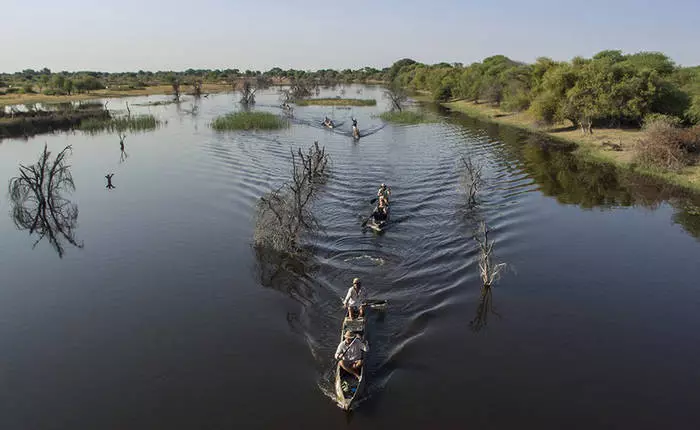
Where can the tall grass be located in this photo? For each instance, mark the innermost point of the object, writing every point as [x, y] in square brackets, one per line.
[132, 123]
[407, 117]
[248, 121]
[336, 102]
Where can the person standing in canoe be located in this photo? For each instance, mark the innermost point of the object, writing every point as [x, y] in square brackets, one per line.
[355, 130]
[385, 192]
[349, 353]
[354, 299]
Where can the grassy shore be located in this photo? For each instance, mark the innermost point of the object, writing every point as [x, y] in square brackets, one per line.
[12, 99]
[248, 121]
[336, 102]
[595, 147]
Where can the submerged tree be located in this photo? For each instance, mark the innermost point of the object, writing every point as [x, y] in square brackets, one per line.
[472, 179]
[397, 96]
[284, 213]
[247, 89]
[197, 88]
[175, 83]
[38, 204]
[490, 271]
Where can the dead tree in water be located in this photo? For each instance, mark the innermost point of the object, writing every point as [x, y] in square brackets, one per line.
[472, 179]
[490, 272]
[197, 88]
[123, 155]
[247, 88]
[175, 83]
[397, 96]
[284, 213]
[38, 204]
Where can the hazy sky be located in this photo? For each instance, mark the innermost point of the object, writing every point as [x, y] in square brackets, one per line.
[128, 35]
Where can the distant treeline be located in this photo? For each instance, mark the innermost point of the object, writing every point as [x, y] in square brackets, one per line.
[65, 83]
[610, 89]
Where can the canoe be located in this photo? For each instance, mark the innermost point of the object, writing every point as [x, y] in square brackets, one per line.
[347, 386]
[381, 225]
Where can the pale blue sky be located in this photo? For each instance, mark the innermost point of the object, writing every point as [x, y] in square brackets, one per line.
[129, 35]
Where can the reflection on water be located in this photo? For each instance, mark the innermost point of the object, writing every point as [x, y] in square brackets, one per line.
[483, 310]
[573, 180]
[38, 204]
[284, 272]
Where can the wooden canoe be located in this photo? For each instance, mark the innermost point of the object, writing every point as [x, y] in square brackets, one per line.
[347, 386]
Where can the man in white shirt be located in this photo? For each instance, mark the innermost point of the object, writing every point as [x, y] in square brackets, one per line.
[354, 299]
[349, 353]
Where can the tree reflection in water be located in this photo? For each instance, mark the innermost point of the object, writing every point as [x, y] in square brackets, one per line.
[483, 310]
[38, 204]
[285, 272]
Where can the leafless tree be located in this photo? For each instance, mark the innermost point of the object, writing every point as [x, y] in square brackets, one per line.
[176, 89]
[473, 180]
[197, 88]
[490, 271]
[38, 204]
[284, 213]
[247, 89]
[124, 155]
[397, 96]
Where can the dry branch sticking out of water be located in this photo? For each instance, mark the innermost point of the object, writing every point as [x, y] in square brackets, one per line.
[283, 214]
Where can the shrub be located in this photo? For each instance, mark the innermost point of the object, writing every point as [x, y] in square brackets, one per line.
[248, 121]
[667, 146]
[652, 118]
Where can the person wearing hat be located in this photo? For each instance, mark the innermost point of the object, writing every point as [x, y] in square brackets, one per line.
[349, 353]
[385, 192]
[354, 299]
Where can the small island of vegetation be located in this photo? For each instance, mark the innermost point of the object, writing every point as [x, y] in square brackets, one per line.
[336, 102]
[249, 120]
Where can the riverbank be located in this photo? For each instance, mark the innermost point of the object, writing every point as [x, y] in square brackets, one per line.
[14, 99]
[614, 146]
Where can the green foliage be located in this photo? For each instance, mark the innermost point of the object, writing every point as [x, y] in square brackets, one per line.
[610, 89]
[244, 120]
[407, 117]
[653, 118]
[336, 102]
[130, 123]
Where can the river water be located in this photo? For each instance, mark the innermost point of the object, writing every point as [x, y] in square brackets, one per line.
[165, 316]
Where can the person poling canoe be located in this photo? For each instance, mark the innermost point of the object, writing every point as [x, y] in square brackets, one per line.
[384, 191]
[349, 353]
[355, 130]
[354, 299]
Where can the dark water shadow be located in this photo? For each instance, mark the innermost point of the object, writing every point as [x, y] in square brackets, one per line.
[39, 205]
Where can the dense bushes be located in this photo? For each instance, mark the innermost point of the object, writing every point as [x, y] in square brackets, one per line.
[610, 89]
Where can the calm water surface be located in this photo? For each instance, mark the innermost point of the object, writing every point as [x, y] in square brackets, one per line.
[167, 317]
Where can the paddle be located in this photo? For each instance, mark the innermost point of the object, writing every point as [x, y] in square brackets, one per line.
[376, 304]
[373, 200]
[346, 350]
